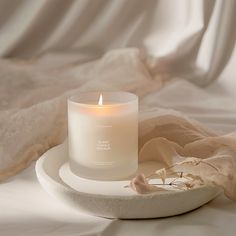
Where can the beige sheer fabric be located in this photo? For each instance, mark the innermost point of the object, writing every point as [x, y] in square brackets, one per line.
[192, 39]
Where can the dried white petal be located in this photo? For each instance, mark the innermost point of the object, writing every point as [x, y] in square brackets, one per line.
[161, 173]
[189, 185]
[195, 178]
[140, 185]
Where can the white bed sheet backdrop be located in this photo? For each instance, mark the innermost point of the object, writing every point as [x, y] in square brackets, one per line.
[193, 39]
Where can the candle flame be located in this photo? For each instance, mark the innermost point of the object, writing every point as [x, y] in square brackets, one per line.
[100, 101]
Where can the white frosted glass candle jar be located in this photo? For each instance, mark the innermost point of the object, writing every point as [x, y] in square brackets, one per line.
[103, 135]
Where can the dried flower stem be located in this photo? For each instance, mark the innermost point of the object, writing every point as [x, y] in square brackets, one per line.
[140, 182]
[162, 184]
[176, 164]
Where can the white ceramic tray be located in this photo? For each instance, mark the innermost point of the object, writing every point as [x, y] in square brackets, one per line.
[109, 198]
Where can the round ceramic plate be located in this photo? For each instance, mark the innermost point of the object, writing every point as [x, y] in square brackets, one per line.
[112, 199]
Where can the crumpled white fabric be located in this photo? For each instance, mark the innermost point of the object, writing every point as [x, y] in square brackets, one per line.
[33, 107]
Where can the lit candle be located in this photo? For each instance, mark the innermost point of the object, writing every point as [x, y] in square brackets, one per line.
[103, 135]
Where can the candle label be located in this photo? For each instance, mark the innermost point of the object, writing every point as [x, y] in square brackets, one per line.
[103, 145]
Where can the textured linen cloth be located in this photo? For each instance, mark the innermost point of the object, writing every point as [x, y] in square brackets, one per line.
[34, 118]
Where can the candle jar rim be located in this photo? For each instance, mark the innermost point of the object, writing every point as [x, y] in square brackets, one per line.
[118, 98]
